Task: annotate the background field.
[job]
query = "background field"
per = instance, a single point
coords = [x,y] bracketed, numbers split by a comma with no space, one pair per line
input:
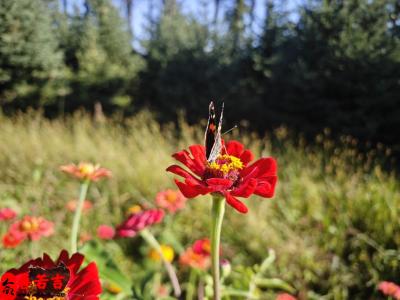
[334,222]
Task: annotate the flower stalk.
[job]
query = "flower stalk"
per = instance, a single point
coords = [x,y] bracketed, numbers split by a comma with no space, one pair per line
[151,240]
[77,217]
[217,215]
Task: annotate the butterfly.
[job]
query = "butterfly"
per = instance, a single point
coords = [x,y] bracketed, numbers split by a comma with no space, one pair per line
[212,136]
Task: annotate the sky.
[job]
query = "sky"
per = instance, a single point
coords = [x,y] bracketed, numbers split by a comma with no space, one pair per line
[141,11]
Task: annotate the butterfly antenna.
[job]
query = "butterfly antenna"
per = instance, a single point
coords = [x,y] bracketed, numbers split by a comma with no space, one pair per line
[229,130]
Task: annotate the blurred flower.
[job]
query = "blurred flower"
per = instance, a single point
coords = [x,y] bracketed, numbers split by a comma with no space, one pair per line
[285,296]
[198,255]
[105,232]
[7,214]
[229,175]
[202,247]
[73,204]
[12,240]
[83,284]
[86,171]
[32,228]
[134,209]
[194,260]
[167,251]
[389,289]
[85,237]
[170,200]
[113,288]
[136,222]
[162,291]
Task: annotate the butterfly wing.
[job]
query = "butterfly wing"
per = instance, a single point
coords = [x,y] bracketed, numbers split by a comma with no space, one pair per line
[213,140]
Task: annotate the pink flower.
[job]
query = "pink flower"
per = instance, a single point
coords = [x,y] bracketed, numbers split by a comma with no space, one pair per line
[32,228]
[390,289]
[105,232]
[136,222]
[11,240]
[285,296]
[170,200]
[7,214]
[86,171]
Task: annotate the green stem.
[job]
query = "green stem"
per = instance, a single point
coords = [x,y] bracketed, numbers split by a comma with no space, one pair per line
[77,217]
[151,240]
[217,215]
[191,285]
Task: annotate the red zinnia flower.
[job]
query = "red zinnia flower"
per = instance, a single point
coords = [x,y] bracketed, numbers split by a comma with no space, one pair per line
[32,228]
[170,200]
[285,296]
[86,171]
[105,232]
[81,285]
[7,214]
[136,222]
[390,289]
[229,175]
[12,240]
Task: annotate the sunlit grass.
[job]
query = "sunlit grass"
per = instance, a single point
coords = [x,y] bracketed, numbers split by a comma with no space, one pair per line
[334,222]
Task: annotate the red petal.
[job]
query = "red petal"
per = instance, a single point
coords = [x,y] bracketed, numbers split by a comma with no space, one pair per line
[219,184]
[234,148]
[262,167]
[246,189]
[199,157]
[194,164]
[246,157]
[190,190]
[235,203]
[86,284]
[181,172]
[266,186]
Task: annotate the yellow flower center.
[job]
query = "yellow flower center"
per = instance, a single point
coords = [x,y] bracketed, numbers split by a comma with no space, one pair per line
[171,197]
[86,168]
[226,163]
[30,225]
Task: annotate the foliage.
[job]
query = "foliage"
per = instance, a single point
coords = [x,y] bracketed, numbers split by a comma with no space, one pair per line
[333,223]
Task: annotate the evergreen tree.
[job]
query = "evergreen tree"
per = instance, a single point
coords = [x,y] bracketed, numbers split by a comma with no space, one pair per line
[30,62]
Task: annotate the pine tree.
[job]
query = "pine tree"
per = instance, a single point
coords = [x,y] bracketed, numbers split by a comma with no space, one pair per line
[30,62]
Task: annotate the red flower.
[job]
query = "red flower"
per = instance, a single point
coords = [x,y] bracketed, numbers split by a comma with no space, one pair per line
[285,296]
[136,222]
[86,171]
[12,240]
[7,214]
[105,232]
[81,285]
[202,247]
[390,289]
[229,175]
[170,200]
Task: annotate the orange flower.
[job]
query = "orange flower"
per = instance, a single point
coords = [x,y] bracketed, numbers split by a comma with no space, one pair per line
[86,171]
[72,205]
[194,260]
[285,296]
[170,200]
